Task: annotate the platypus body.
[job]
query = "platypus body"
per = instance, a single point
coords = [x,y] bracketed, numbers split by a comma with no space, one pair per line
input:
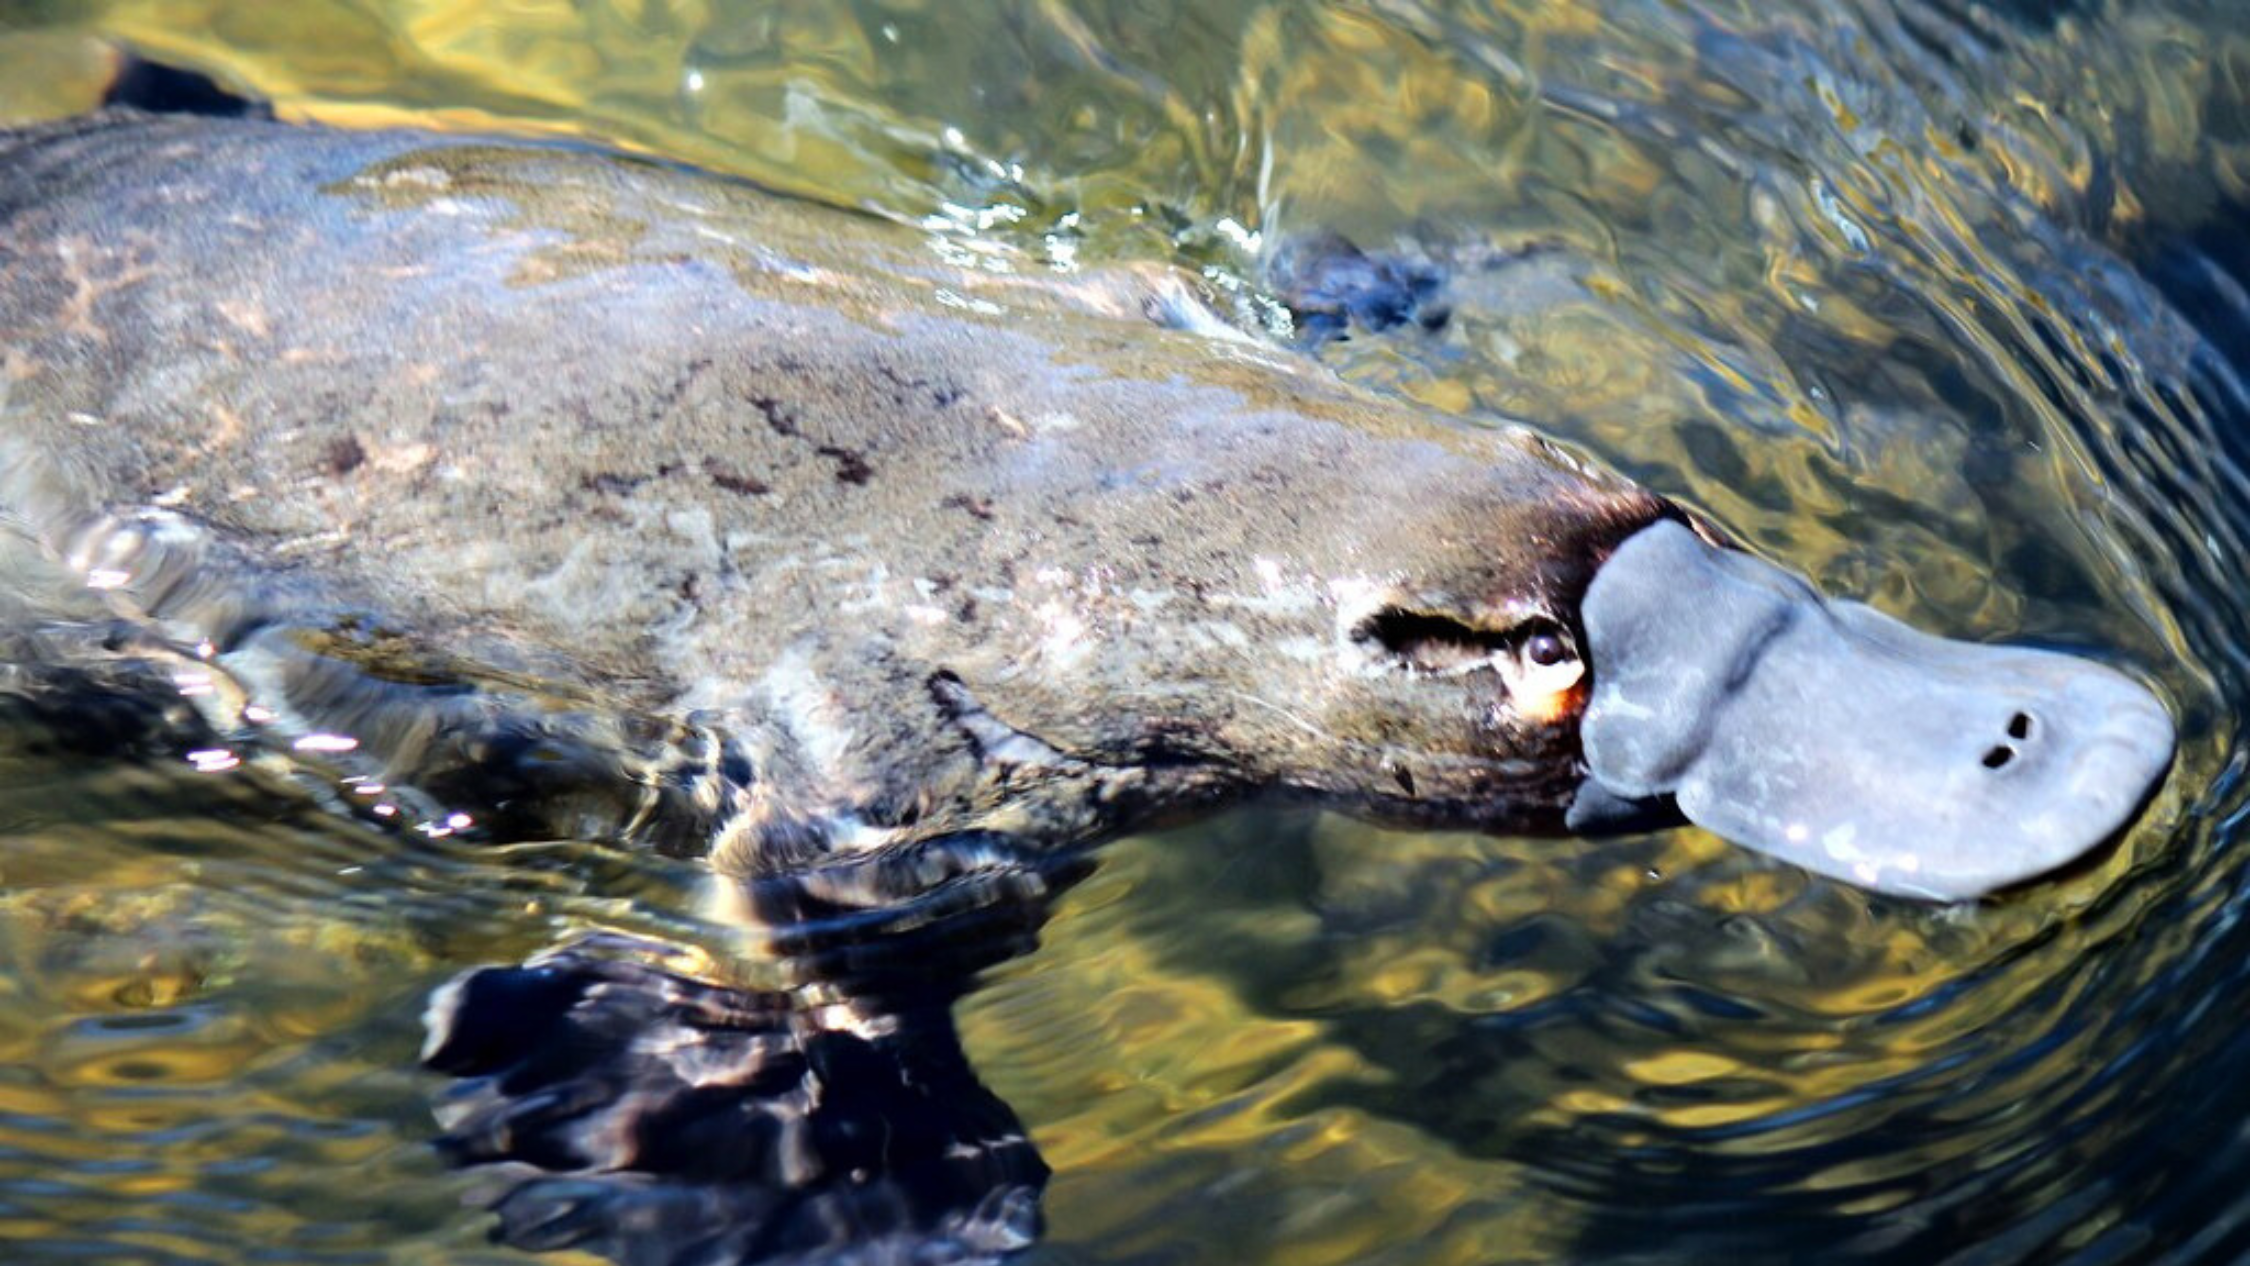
[889,528]
[529,490]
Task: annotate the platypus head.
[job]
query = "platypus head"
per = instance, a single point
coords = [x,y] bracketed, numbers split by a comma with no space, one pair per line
[1642,674]
[1832,736]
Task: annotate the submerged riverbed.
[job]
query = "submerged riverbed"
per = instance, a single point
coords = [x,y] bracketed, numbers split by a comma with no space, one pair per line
[1940,303]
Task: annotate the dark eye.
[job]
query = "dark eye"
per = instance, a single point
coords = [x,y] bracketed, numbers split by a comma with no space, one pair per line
[1545,650]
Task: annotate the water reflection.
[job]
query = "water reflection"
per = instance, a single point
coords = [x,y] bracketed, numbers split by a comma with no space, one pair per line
[1942,303]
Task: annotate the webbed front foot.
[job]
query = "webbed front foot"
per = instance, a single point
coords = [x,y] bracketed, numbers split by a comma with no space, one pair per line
[660,1120]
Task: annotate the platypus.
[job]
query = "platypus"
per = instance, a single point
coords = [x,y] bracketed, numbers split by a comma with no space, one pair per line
[525,490]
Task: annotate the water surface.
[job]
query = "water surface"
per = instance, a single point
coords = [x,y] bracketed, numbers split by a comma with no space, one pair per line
[1941,303]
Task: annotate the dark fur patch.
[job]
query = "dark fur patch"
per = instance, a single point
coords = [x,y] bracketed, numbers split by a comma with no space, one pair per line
[851,464]
[344,455]
[734,481]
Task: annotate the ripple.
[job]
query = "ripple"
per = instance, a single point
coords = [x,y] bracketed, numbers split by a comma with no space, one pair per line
[1942,303]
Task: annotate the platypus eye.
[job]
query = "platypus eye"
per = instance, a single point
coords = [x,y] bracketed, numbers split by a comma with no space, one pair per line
[1545,650]
[1542,671]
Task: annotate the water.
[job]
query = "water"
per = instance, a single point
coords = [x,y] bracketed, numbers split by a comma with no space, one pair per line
[1939,303]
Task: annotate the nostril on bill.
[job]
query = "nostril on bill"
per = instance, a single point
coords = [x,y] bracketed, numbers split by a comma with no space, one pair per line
[2000,755]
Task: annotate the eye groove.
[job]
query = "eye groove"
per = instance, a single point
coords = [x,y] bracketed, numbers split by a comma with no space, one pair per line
[1435,643]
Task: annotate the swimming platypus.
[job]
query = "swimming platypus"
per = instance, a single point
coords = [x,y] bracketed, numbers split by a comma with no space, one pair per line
[530,490]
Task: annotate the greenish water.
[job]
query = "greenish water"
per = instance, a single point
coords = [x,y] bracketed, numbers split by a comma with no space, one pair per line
[1939,303]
